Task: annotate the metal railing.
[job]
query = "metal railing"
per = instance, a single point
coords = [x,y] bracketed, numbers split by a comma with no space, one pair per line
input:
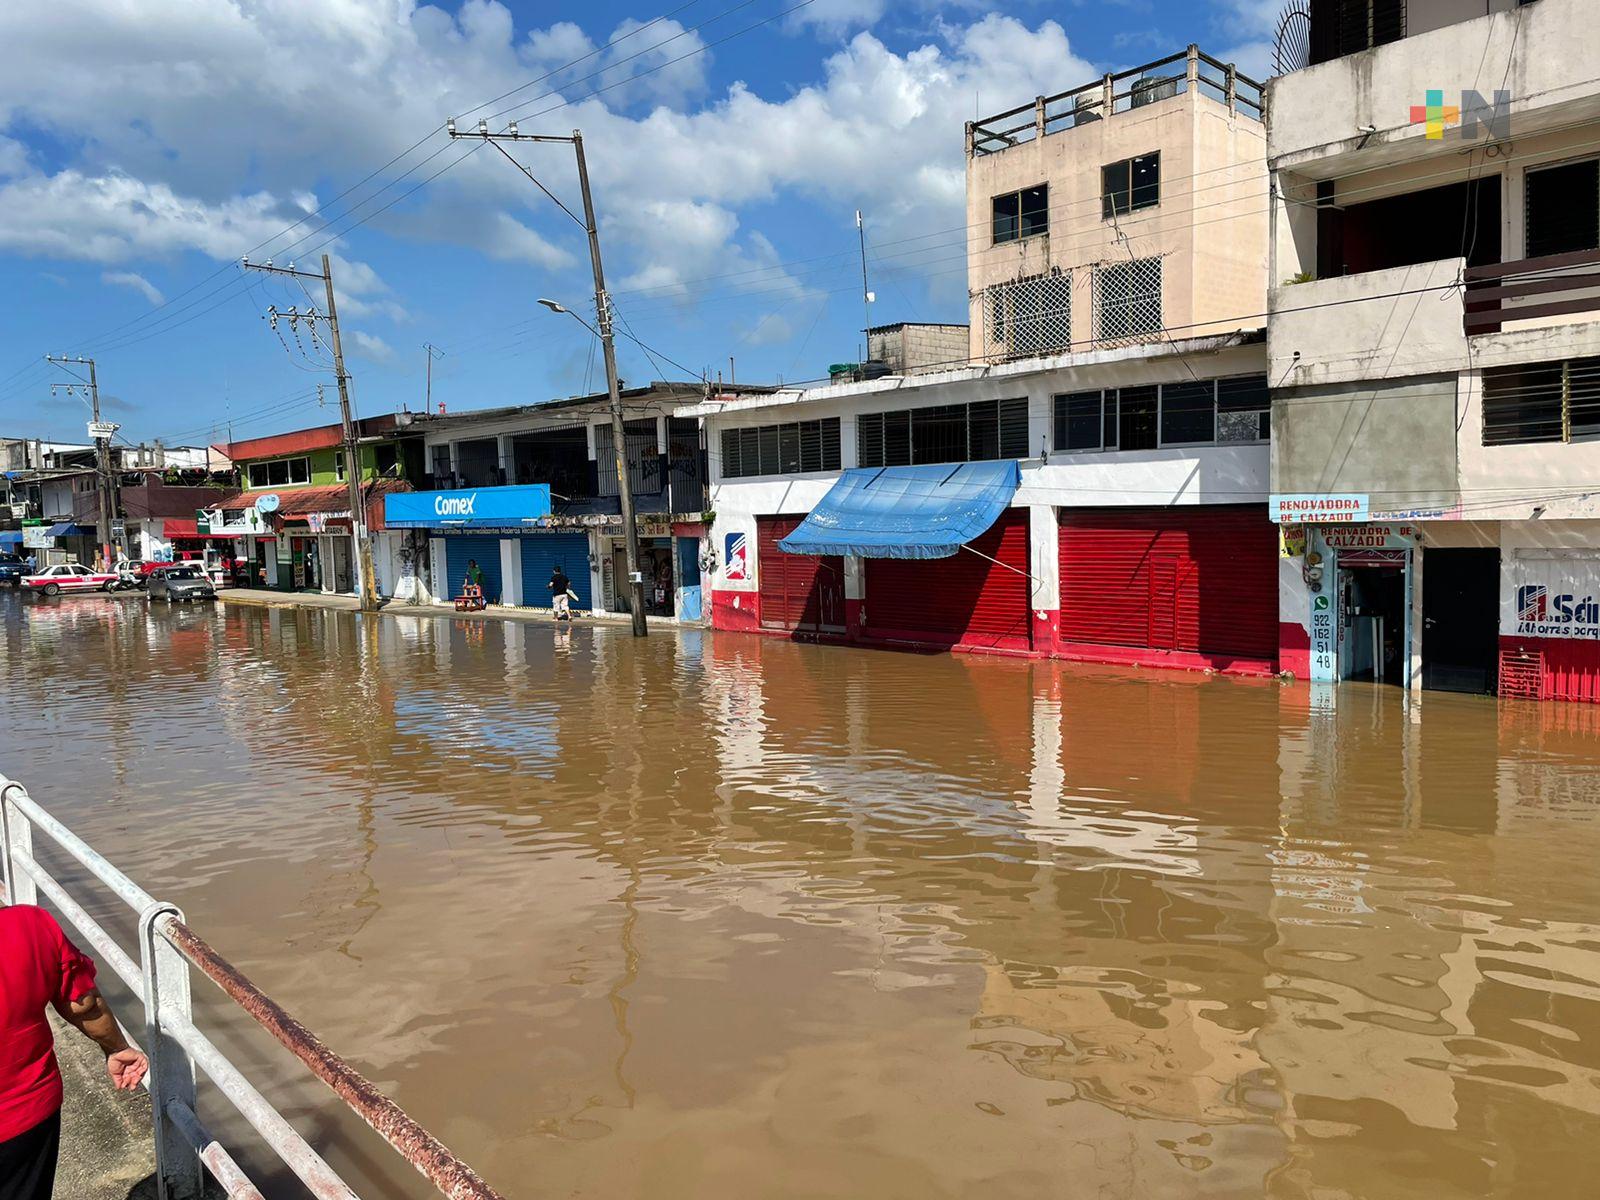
[1192,70]
[159,980]
[1500,292]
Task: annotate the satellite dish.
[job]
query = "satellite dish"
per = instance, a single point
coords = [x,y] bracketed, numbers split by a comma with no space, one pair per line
[268,503]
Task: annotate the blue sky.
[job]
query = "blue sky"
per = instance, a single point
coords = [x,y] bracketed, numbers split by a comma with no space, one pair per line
[730,143]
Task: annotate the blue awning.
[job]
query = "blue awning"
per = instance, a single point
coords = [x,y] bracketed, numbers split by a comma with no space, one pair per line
[68,529]
[11,537]
[907,512]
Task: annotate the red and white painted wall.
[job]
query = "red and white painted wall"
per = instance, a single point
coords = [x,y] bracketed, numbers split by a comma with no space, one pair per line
[1159,557]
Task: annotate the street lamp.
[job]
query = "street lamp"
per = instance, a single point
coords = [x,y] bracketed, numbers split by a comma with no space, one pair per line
[619,440]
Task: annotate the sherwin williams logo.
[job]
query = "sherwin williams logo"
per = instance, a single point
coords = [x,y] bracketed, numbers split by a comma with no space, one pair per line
[1472,114]
[1532,602]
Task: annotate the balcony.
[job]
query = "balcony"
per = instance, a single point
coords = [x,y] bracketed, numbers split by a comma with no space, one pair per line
[1386,324]
[1358,109]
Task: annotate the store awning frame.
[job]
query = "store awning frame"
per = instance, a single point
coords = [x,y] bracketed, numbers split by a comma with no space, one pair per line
[927,511]
[63,529]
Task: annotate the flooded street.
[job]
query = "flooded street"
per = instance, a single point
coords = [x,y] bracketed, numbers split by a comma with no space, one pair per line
[726,916]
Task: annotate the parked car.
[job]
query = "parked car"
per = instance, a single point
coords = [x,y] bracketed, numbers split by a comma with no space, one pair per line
[182,581]
[13,569]
[69,577]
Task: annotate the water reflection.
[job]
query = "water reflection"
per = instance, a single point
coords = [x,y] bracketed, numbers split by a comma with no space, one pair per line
[728,916]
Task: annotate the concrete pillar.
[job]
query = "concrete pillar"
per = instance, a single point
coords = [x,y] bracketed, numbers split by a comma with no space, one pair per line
[438,582]
[855,594]
[511,571]
[1044,570]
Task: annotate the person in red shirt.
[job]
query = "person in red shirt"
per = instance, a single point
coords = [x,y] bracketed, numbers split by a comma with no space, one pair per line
[39,967]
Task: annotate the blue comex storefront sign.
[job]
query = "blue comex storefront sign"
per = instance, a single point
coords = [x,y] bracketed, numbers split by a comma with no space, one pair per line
[476,509]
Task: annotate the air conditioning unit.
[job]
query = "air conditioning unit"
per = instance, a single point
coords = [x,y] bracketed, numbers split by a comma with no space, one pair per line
[1148,91]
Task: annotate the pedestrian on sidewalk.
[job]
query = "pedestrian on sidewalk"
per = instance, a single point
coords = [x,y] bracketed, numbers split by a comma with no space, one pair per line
[475,576]
[39,967]
[560,585]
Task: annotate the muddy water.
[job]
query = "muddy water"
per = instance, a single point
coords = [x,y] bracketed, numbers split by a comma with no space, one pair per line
[721,916]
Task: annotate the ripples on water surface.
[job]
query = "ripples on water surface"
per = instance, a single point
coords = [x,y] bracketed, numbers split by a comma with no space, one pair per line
[722,916]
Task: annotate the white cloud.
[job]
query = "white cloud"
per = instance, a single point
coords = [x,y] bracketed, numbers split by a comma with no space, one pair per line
[207,93]
[370,346]
[839,16]
[132,279]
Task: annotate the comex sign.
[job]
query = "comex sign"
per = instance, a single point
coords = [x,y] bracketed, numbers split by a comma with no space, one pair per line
[470,508]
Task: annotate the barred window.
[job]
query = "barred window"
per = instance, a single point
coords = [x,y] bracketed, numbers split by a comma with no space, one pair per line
[790,449]
[643,456]
[978,432]
[1541,402]
[1127,299]
[1031,315]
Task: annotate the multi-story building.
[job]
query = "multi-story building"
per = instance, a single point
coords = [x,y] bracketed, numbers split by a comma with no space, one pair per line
[291,517]
[522,489]
[1093,482]
[1435,347]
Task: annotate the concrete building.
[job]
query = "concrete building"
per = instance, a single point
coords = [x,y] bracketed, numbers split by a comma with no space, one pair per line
[917,347]
[540,482]
[1434,345]
[1100,215]
[291,515]
[1104,453]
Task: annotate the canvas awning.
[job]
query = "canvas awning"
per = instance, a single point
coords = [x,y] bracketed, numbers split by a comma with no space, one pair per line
[69,529]
[927,511]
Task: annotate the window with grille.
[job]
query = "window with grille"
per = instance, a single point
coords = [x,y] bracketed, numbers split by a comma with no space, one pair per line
[1127,299]
[1031,315]
[1542,402]
[1187,413]
[790,449]
[1024,214]
[978,432]
[1130,184]
[643,456]
[1563,209]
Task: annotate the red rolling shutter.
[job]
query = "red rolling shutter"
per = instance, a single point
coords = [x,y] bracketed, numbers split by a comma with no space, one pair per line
[1200,579]
[803,593]
[965,600]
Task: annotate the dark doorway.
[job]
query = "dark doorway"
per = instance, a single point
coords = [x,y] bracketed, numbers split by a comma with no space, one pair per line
[1461,620]
[1374,620]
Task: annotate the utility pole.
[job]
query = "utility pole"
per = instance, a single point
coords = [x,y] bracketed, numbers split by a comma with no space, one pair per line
[432,352]
[866,296]
[100,432]
[352,449]
[602,306]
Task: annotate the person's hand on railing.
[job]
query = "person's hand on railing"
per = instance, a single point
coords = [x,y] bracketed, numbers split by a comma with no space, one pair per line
[127,1069]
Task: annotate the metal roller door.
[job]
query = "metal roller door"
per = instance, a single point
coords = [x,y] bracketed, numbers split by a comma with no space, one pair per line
[964,600]
[802,593]
[486,550]
[542,553]
[1201,580]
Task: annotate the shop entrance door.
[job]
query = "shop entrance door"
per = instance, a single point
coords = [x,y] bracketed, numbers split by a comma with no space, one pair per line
[1372,644]
[1461,620]
[343,575]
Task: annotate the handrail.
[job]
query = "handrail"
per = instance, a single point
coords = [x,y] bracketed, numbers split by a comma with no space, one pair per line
[159,980]
[1496,292]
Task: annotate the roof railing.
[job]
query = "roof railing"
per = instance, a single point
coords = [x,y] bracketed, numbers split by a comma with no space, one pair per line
[1118,93]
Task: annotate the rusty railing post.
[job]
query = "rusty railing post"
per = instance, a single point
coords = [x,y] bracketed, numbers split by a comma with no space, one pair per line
[166,1006]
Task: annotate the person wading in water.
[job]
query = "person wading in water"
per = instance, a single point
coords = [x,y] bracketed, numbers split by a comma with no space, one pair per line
[560,585]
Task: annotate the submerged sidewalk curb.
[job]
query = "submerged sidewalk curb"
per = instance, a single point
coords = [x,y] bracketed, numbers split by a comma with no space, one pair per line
[262,598]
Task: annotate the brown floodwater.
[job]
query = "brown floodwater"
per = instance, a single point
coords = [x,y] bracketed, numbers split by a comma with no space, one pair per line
[726,916]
